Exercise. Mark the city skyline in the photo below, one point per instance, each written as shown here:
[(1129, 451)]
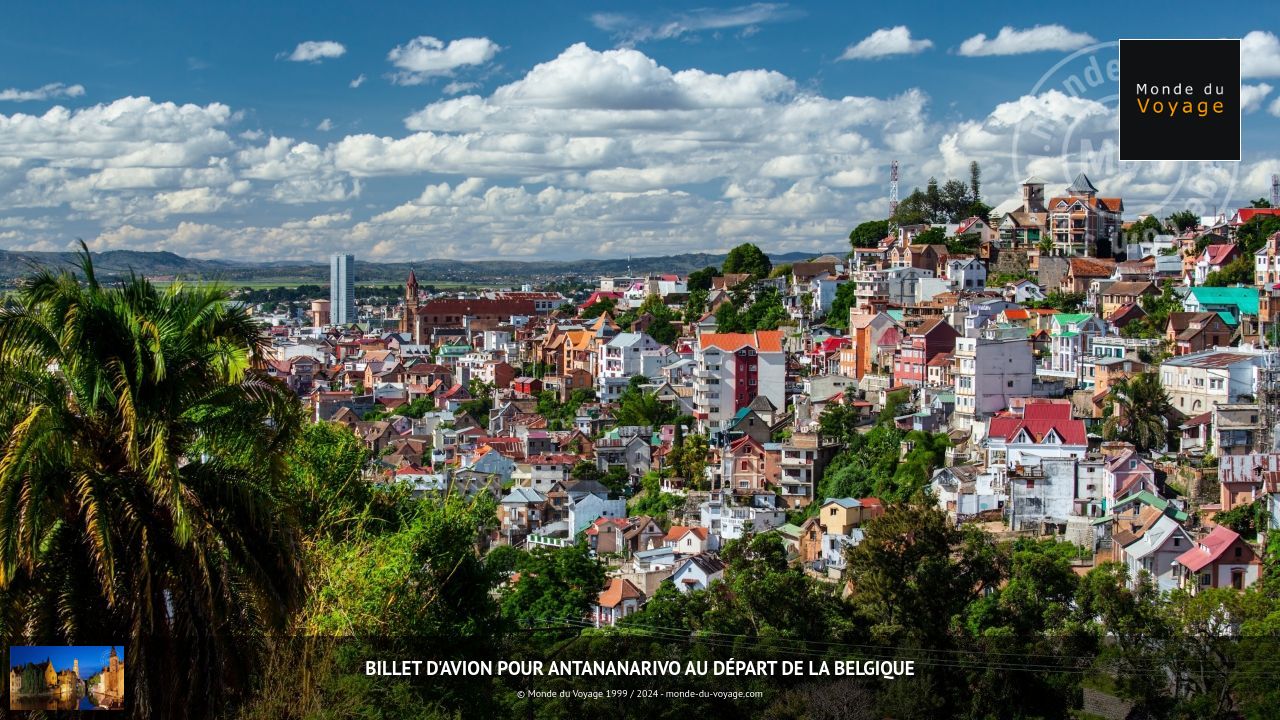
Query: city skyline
[(567, 132), (93, 658)]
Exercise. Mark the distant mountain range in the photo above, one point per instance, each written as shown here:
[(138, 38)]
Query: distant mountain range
[(164, 265)]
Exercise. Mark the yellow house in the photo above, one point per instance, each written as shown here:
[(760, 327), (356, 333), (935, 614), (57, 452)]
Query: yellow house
[(840, 515)]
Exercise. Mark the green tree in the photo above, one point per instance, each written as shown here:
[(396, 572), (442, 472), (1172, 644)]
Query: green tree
[(1138, 408), (936, 235), (696, 306), (141, 477), (637, 407), (749, 259), (1236, 272), (555, 585), (1185, 220), (845, 299), (914, 571), (869, 234), (598, 308), (701, 279)]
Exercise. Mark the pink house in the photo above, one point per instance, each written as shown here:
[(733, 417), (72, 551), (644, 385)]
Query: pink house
[(1221, 559), (919, 345), (1127, 473)]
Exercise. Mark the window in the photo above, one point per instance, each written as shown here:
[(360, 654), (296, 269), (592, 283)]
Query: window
[(1205, 580), (1177, 541)]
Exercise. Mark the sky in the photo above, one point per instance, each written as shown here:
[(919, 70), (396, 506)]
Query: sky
[(403, 131), (92, 658)]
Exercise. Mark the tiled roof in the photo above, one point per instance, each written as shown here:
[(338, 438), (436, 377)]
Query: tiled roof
[(760, 340), (617, 590), (1209, 549)]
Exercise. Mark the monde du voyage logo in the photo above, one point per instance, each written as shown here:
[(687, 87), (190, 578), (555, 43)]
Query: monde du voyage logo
[(1180, 100)]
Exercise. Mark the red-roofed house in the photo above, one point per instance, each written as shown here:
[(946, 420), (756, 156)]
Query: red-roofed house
[(688, 540), (1244, 215), (1213, 259), (1044, 430), (731, 369), (1221, 559), (919, 345), (620, 598)]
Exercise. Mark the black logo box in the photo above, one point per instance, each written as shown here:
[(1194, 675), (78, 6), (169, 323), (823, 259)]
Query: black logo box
[(1194, 65)]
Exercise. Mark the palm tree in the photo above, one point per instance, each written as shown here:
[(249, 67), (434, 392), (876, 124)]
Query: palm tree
[(1139, 408), (141, 466)]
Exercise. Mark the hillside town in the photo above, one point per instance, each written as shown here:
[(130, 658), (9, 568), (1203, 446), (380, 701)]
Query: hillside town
[(1043, 369)]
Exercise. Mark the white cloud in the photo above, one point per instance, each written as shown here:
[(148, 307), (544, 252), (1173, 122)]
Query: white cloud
[(591, 153), (319, 221), (44, 92), (457, 88), (426, 57), (1252, 96), (1274, 108), (885, 42), (1012, 41), (632, 29), (316, 50), (325, 125), (357, 82), (1260, 55)]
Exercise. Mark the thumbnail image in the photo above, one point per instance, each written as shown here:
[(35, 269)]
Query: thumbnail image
[(62, 677)]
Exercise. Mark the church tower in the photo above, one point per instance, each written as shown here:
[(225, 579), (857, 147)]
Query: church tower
[(408, 320)]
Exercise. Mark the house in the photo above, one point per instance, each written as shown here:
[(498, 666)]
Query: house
[(1042, 495), (1083, 272), (1198, 381), (1022, 292), (1191, 332), (1266, 271), (697, 572), (688, 540), (1150, 547), (865, 333), (619, 599), (731, 370), (1219, 560), (1236, 428), (964, 491), (840, 515), (1242, 479), (521, 511), (966, 273), (1024, 223), (1081, 223), (1044, 429), (1070, 340), (920, 343), (1234, 301), (1212, 259), (624, 535), (988, 370), (1126, 473), (1126, 292)]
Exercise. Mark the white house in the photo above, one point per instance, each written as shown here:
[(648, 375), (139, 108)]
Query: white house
[(1154, 550), (966, 273), (697, 572), (1070, 340)]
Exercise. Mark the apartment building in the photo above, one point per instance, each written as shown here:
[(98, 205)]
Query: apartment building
[(731, 369)]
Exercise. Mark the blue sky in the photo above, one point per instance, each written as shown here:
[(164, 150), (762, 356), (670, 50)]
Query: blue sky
[(92, 658), (406, 131)]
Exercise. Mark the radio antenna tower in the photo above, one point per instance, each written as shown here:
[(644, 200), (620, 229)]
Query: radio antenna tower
[(893, 195), (1275, 191)]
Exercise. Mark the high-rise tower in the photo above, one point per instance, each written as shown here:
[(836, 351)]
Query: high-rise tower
[(342, 289)]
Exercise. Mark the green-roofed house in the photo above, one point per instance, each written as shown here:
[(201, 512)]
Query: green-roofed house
[(1070, 340), (1234, 301)]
